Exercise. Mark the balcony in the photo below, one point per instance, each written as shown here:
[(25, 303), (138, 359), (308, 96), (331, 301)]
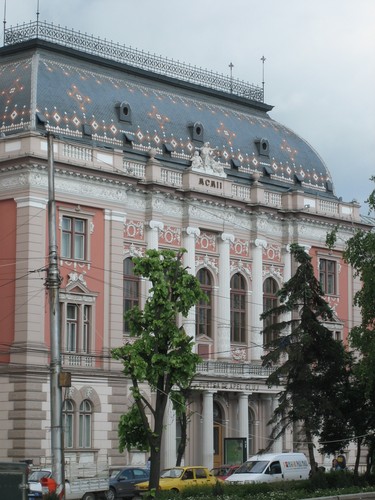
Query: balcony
[(233, 370)]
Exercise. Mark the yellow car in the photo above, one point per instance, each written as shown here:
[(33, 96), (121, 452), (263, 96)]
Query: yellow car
[(178, 478)]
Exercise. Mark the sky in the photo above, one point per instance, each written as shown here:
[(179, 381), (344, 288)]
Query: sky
[(319, 72)]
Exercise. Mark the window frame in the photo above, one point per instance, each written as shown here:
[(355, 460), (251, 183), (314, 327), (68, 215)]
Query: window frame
[(238, 332), (85, 425), (87, 219), (132, 283), (203, 309), (328, 278), (84, 348), (270, 300), (68, 423)]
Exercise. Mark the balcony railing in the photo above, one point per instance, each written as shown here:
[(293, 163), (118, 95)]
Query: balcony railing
[(132, 57), (233, 370)]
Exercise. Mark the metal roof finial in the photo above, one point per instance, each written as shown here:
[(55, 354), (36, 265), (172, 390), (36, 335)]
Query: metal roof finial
[(263, 59)]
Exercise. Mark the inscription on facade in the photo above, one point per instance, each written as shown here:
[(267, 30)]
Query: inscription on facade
[(225, 386), (210, 183)]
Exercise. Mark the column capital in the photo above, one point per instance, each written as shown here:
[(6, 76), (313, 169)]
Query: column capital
[(192, 231), (155, 225), (305, 247), (260, 243), (244, 394), (227, 237)]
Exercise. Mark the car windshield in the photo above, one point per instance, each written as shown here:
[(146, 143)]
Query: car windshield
[(114, 473), (171, 473), (252, 467), (38, 474)]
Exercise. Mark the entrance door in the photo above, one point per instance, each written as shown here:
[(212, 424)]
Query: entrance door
[(218, 445)]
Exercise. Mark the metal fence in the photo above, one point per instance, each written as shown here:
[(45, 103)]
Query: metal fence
[(133, 57)]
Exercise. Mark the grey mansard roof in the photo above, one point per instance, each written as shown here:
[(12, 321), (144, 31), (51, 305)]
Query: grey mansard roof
[(88, 98)]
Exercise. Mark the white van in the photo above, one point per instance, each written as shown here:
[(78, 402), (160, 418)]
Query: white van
[(271, 467)]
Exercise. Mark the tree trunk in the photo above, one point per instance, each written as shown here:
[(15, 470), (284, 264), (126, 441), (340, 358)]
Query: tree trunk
[(358, 456), (310, 447), (182, 443), (160, 405)]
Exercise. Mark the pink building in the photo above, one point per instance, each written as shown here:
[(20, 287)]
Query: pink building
[(146, 160)]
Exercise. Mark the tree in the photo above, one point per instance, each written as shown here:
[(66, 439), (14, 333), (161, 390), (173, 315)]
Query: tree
[(161, 353), (308, 361), (360, 254)]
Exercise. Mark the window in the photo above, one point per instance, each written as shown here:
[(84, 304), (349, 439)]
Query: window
[(237, 308), (130, 289), (69, 420), (328, 276), (73, 238), (269, 302), (78, 328), (68, 423), (203, 308), (85, 412)]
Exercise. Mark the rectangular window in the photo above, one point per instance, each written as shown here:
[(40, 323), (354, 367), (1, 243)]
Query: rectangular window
[(86, 329), (78, 328), (84, 431), (68, 430), (73, 238), (71, 328), (328, 276)]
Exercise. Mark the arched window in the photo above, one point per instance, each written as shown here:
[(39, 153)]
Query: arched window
[(131, 289), (203, 308), (269, 302), (237, 308), (85, 414), (68, 423)]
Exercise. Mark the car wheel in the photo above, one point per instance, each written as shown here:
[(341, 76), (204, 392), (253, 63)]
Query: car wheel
[(88, 496), (174, 490), (110, 494)]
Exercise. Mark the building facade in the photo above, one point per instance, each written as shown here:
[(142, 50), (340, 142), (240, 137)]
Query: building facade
[(148, 153)]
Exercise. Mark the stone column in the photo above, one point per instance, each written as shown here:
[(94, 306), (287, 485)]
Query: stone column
[(243, 417), (278, 443), (223, 312), (168, 458), (257, 300), (207, 438), (152, 238), (190, 235)]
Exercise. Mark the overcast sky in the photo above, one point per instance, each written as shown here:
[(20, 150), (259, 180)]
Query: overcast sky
[(319, 69)]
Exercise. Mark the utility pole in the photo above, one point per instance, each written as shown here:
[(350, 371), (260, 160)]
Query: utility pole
[(53, 286)]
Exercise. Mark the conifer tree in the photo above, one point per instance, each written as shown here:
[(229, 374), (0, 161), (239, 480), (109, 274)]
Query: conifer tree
[(307, 361)]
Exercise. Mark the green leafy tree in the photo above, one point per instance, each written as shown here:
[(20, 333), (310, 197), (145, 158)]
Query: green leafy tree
[(161, 354), (307, 361)]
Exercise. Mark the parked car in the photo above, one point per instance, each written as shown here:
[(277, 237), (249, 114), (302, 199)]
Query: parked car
[(122, 482), (269, 467), (178, 478), (34, 484), (223, 471)]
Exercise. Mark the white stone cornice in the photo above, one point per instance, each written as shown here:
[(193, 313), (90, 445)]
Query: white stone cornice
[(115, 216), (30, 201)]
